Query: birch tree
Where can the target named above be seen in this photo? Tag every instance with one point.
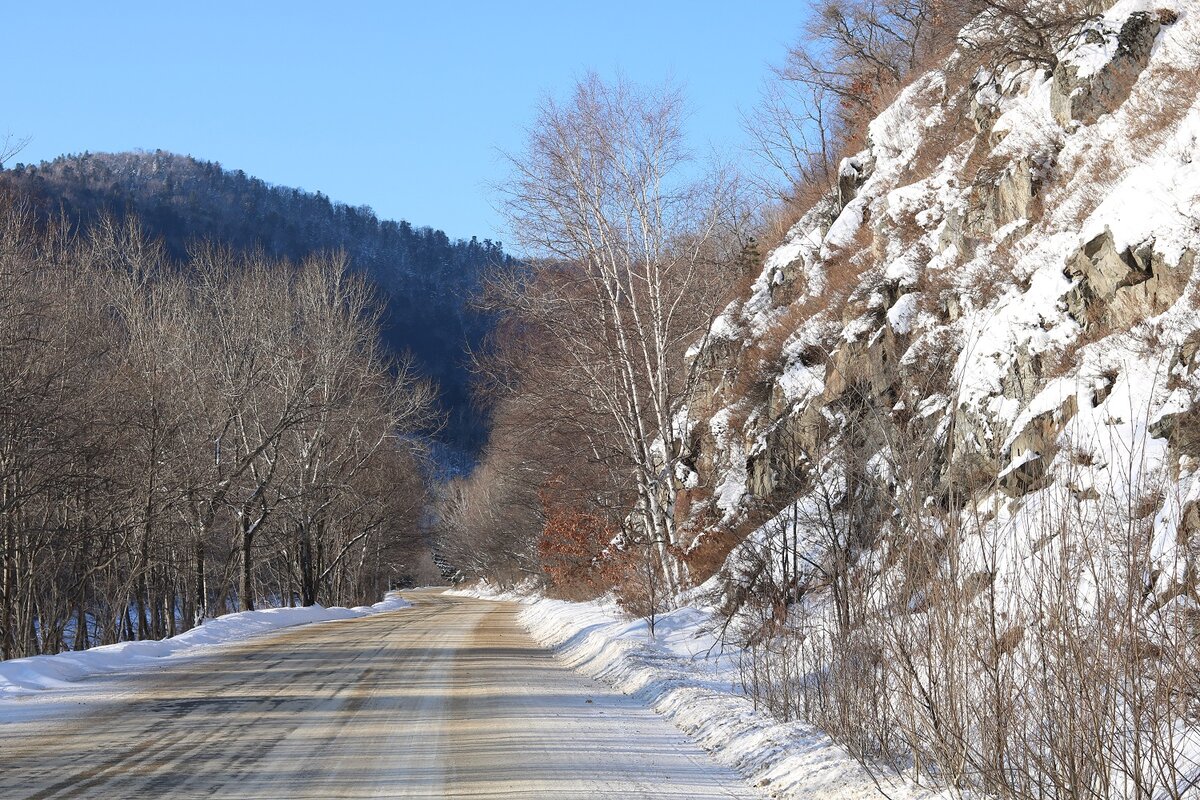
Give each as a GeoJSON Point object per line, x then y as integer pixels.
{"type": "Point", "coordinates": [604, 195]}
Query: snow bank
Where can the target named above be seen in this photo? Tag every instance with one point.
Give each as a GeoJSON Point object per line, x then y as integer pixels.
{"type": "Point", "coordinates": [25, 675]}
{"type": "Point", "coordinates": [684, 675]}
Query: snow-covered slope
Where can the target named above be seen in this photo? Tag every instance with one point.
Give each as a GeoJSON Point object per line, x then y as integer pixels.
{"type": "Point", "coordinates": [971, 440]}
{"type": "Point", "coordinates": [1029, 285]}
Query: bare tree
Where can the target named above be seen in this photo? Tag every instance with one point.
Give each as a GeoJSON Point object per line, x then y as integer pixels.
{"type": "Point", "coordinates": [793, 128]}
{"type": "Point", "coordinates": [1015, 36]}
{"type": "Point", "coordinates": [627, 277]}
{"type": "Point", "coordinates": [10, 146]}
{"type": "Point", "coordinates": [161, 429]}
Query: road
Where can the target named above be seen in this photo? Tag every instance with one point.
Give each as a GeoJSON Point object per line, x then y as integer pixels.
{"type": "Point", "coordinates": [447, 699]}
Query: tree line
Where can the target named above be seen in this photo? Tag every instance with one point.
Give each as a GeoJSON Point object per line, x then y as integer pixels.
{"type": "Point", "coordinates": [183, 438]}
{"type": "Point", "coordinates": [425, 276]}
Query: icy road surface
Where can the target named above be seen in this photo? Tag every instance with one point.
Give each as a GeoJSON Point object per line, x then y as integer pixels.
{"type": "Point", "coordinates": [448, 699]}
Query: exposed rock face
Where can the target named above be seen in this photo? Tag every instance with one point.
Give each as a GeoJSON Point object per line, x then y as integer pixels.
{"type": "Point", "coordinates": [1033, 448]}
{"type": "Point", "coordinates": [981, 387]}
{"type": "Point", "coordinates": [865, 364]}
{"type": "Point", "coordinates": [1120, 288]}
{"type": "Point", "coordinates": [1189, 352]}
{"type": "Point", "coordinates": [780, 459]}
{"type": "Point", "coordinates": [1190, 520]}
{"type": "Point", "coordinates": [851, 175]}
{"type": "Point", "coordinates": [978, 438]}
{"type": "Point", "coordinates": [983, 108]}
{"type": "Point", "coordinates": [1182, 427]}
{"type": "Point", "coordinates": [712, 366]}
{"type": "Point", "coordinates": [1001, 196]}
{"type": "Point", "coordinates": [1082, 96]}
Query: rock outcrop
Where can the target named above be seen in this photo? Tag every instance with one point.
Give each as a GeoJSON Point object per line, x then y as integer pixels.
{"type": "Point", "coordinates": [939, 324]}
{"type": "Point", "coordinates": [1082, 93]}
{"type": "Point", "coordinates": [1116, 288]}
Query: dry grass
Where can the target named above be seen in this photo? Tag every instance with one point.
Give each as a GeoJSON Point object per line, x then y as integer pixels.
{"type": "Point", "coordinates": [718, 541]}
{"type": "Point", "coordinates": [743, 287]}
{"type": "Point", "coordinates": [985, 286]}
{"type": "Point", "coordinates": [1061, 363]}
{"type": "Point", "coordinates": [779, 218]}
{"type": "Point", "coordinates": [750, 388]}
{"type": "Point", "coordinates": [1081, 184]}
{"type": "Point", "coordinates": [762, 360]}
{"type": "Point", "coordinates": [1159, 102]}
{"type": "Point", "coordinates": [1080, 457]}
{"type": "Point", "coordinates": [710, 553]}
{"type": "Point", "coordinates": [938, 293]}
{"type": "Point", "coordinates": [950, 133]}
{"type": "Point", "coordinates": [846, 268]}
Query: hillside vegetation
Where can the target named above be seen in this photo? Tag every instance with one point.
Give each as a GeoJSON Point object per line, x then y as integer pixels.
{"type": "Point", "coordinates": [929, 442]}
{"type": "Point", "coordinates": [426, 277]}
{"type": "Point", "coordinates": [178, 441]}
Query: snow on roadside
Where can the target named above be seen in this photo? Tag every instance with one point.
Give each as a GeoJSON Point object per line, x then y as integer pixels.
{"type": "Point", "coordinates": [685, 676]}
{"type": "Point", "coordinates": [28, 675]}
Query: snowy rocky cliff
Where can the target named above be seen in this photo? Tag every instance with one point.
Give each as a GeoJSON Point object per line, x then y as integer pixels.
{"type": "Point", "coordinates": [1001, 297]}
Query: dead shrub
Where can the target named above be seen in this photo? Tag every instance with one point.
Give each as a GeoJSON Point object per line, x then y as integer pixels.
{"type": "Point", "coordinates": [635, 574]}
{"type": "Point", "coordinates": [751, 380]}
{"type": "Point", "coordinates": [846, 268]}
{"type": "Point", "coordinates": [711, 550]}
{"type": "Point", "coordinates": [1159, 102]}
{"type": "Point", "coordinates": [938, 293]}
{"type": "Point", "coordinates": [952, 130]}
{"type": "Point", "coordinates": [1013, 37]}
{"type": "Point", "coordinates": [1095, 328]}
{"type": "Point", "coordinates": [571, 549]}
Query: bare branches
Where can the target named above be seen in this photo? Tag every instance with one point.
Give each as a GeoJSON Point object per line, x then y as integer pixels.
{"type": "Point", "coordinates": [794, 137]}
{"type": "Point", "coordinates": [177, 443]}
{"type": "Point", "coordinates": [10, 146]}
{"type": "Point", "coordinates": [851, 58]}
{"type": "Point", "coordinates": [1014, 36]}
{"type": "Point", "coordinates": [626, 278]}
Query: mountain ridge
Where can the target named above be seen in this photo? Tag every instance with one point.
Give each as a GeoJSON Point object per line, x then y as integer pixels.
{"type": "Point", "coordinates": [426, 277]}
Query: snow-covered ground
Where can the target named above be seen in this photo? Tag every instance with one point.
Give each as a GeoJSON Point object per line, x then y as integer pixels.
{"type": "Point", "coordinates": [685, 675]}
{"type": "Point", "coordinates": [24, 676]}
{"type": "Point", "coordinates": [447, 702]}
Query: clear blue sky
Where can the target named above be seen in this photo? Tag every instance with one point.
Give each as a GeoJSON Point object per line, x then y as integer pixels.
{"type": "Point", "coordinates": [398, 105]}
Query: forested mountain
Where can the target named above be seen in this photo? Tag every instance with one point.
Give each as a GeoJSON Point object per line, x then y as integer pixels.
{"type": "Point", "coordinates": [427, 277]}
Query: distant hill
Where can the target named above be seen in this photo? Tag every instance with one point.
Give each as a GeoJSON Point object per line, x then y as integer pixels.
{"type": "Point", "coordinates": [428, 277]}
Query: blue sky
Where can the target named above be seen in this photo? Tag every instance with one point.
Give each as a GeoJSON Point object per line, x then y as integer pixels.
{"type": "Point", "coordinates": [397, 105]}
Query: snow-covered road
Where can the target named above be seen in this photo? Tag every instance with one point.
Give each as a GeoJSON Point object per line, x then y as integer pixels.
{"type": "Point", "coordinates": [448, 699]}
